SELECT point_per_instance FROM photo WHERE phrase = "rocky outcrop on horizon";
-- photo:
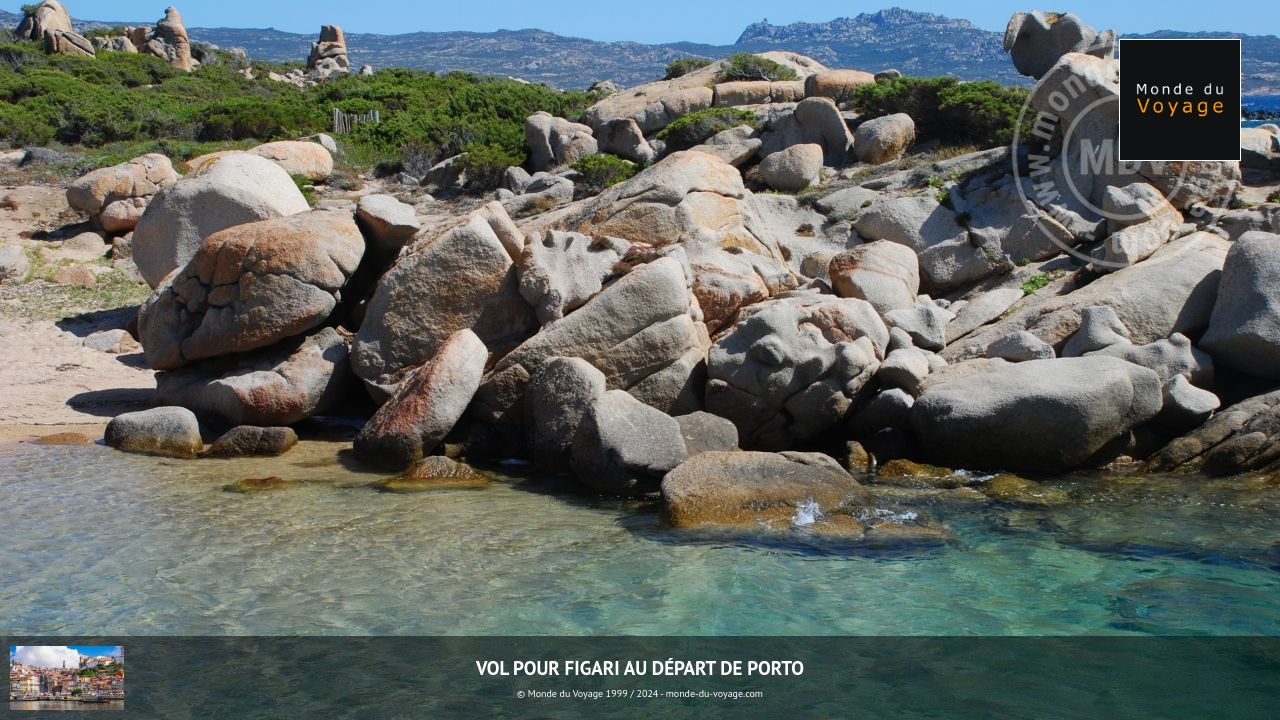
(920, 44)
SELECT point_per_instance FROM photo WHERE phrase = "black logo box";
(1189, 64)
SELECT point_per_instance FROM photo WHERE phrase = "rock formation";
(329, 53)
(169, 41)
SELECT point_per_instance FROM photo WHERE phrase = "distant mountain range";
(913, 42)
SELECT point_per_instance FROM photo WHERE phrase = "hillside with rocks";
(730, 291)
(916, 43)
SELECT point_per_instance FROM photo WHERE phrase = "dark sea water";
(102, 542)
(1270, 103)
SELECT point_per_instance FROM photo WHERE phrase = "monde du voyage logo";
(1179, 100)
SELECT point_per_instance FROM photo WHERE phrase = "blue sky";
(54, 655)
(713, 21)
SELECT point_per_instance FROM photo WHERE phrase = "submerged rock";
(1020, 491)
(434, 473)
(166, 431)
(64, 438)
(250, 486)
(753, 488)
(249, 441)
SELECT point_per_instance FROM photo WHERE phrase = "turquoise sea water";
(101, 542)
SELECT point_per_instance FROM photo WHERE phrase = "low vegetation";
(745, 66)
(1036, 282)
(600, 172)
(684, 66)
(945, 109)
(119, 105)
(699, 126)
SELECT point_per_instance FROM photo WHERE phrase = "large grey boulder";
(166, 431)
(890, 408)
(884, 273)
(846, 204)
(560, 392)
(426, 406)
(625, 447)
(1173, 291)
(926, 323)
(643, 332)
(1140, 220)
(233, 190)
(281, 385)
(815, 120)
(735, 146)
(1244, 330)
(698, 202)
(251, 286)
(1242, 438)
(704, 432)
(793, 169)
(561, 271)
(882, 139)
(947, 258)
(464, 277)
(115, 197)
(1036, 416)
(1036, 40)
(904, 368)
(793, 366)
(554, 141)
(388, 224)
(1259, 148)
(980, 310)
(750, 489)
(1020, 347)
(1100, 327)
(623, 137)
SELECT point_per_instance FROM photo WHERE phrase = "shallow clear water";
(100, 542)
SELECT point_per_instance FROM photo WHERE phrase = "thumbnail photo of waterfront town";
(60, 677)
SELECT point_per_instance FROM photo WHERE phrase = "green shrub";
(115, 102)
(699, 126)
(684, 66)
(982, 113)
(485, 163)
(745, 66)
(600, 172)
